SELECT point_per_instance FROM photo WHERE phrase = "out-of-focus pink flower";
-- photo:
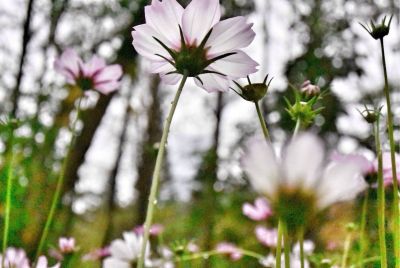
(192, 247)
(267, 237)
(367, 167)
(97, 254)
(387, 168)
(94, 74)
(14, 258)
(155, 229)
(229, 249)
(194, 40)
(66, 245)
(309, 89)
(42, 263)
(259, 211)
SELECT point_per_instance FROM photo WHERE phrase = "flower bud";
(371, 115)
(253, 91)
(378, 31)
(309, 89)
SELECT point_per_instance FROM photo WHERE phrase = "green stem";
(301, 241)
(381, 199)
(393, 160)
(297, 127)
(262, 121)
(207, 254)
(347, 245)
(278, 255)
(59, 186)
(156, 174)
(363, 236)
(10, 179)
(286, 245)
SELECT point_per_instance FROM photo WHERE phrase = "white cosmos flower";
(302, 169)
(194, 39)
(124, 252)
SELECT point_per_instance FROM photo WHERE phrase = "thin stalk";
(363, 236)
(297, 127)
(207, 254)
(286, 245)
(59, 186)
(262, 121)
(10, 179)
(301, 241)
(381, 199)
(157, 171)
(396, 213)
(346, 250)
(278, 255)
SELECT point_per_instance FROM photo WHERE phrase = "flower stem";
(346, 250)
(286, 245)
(297, 127)
(157, 171)
(262, 121)
(207, 254)
(10, 178)
(381, 199)
(363, 236)
(278, 255)
(393, 160)
(301, 241)
(59, 186)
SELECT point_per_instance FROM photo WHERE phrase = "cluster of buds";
(253, 91)
(378, 31)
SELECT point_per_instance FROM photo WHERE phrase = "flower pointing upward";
(194, 42)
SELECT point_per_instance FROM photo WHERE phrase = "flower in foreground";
(93, 74)
(193, 41)
(259, 211)
(124, 252)
(300, 182)
(14, 258)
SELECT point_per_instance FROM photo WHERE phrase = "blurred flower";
(125, 252)
(194, 41)
(310, 89)
(378, 31)
(97, 254)
(66, 245)
(155, 229)
(14, 258)
(42, 263)
(253, 91)
(387, 167)
(229, 249)
(259, 211)
(308, 247)
(300, 182)
(367, 167)
(94, 74)
(267, 237)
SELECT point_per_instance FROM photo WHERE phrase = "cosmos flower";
(259, 211)
(387, 168)
(66, 245)
(267, 237)
(309, 89)
(14, 258)
(124, 252)
(94, 74)
(194, 40)
(229, 249)
(366, 166)
(300, 182)
(42, 263)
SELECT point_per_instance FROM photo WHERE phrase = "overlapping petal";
(213, 82)
(68, 64)
(198, 18)
(235, 66)
(94, 65)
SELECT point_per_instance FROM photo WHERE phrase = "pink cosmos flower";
(155, 229)
(309, 89)
(229, 249)
(66, 245)
(367, 167)
(259, 211)
(195, 41)
(42, 263)
(387, 168)
(14, 258)
(97, 254)
(267, 237)
(94, 74)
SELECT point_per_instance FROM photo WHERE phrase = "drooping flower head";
(193, 41)
(300, 183)
(94, 74)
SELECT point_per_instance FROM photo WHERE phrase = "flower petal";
(109, 73)
(68, 64)
(161, 67)
(146, 45)
(213, 82)
(235, 66)
(108, 87)
(165, 18)
(114, 262)
(198, 19)
(260, 165)
(228, 35)
(170, 79)
(302, 161)
(340, 182)
(94, 65)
